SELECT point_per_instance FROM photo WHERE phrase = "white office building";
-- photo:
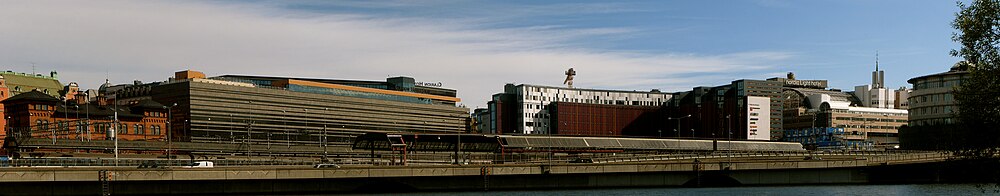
(534, 100)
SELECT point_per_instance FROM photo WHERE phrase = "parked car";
(148, 164)
(582, 160)
(327, 165)
(5, 161)
(201, 164)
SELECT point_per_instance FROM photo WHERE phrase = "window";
(122, 128)
(155, 129)
(138, 130)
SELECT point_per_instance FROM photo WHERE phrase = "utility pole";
(678, 130)
(65, 123)
(170, 131)
(114, 129)
(324, 143)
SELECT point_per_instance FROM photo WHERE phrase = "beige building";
(932, 101)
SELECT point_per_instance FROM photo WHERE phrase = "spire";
(878, 76)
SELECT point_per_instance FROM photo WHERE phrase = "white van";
(201, 164)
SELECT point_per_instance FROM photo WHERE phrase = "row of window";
(933, 110)
(939, 121)
(599, 101)
(564, 93)
(871, 119)
(100, 128)
(868, 127)
(946, 97)
(938, 83)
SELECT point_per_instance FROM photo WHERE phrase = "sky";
(476, 47)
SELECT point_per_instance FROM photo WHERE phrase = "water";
(907, 189)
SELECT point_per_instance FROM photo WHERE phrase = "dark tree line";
(978, 97)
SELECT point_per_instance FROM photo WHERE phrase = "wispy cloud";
(148, 40)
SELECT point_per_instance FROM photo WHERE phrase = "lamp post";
(87, 122)
(678, 130)
(729, 130)
(169, 127)
(114, 129)
(729, 142)
(325, 140)
(65, 116)
(78, 122)
(323, 143)
(284, 122)
(249, 126)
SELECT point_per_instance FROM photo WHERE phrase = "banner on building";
(758, 118)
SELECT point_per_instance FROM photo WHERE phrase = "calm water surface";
(908, 189)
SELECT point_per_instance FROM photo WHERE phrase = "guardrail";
(872, 158)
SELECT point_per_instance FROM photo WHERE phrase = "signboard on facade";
(428, 84)
(758, 112)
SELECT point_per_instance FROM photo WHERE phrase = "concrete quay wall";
(250, 180)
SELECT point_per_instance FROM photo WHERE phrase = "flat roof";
(601, 90)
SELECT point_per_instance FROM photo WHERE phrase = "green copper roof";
(19, 83)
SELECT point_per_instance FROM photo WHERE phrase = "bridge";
(724, 169)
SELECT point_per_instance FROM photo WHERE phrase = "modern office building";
(813, 113)
(481, 121)
(933, 109)
(606, 120)
(932, 101)
(876, 95)
(742, 110)
(525, 109)
(302, 111)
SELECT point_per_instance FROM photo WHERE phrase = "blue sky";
(477, 46)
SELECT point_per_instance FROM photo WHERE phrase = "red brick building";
(40, 115)
(606, 120)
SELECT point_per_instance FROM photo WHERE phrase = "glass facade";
(348, 93)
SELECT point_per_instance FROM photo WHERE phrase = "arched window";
(81, 127)
(152, 128)
(138, 129)
(45, 125)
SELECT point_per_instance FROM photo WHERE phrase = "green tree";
(978, 96)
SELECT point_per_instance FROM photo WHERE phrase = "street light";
(284, 122)
(729, 130)
(169, 127)
(78, 132)
(678, 130)
(324, 139)
(65, 115)
(87, 122)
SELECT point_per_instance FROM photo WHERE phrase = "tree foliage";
(978, 97)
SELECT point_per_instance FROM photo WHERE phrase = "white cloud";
(149, 40)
